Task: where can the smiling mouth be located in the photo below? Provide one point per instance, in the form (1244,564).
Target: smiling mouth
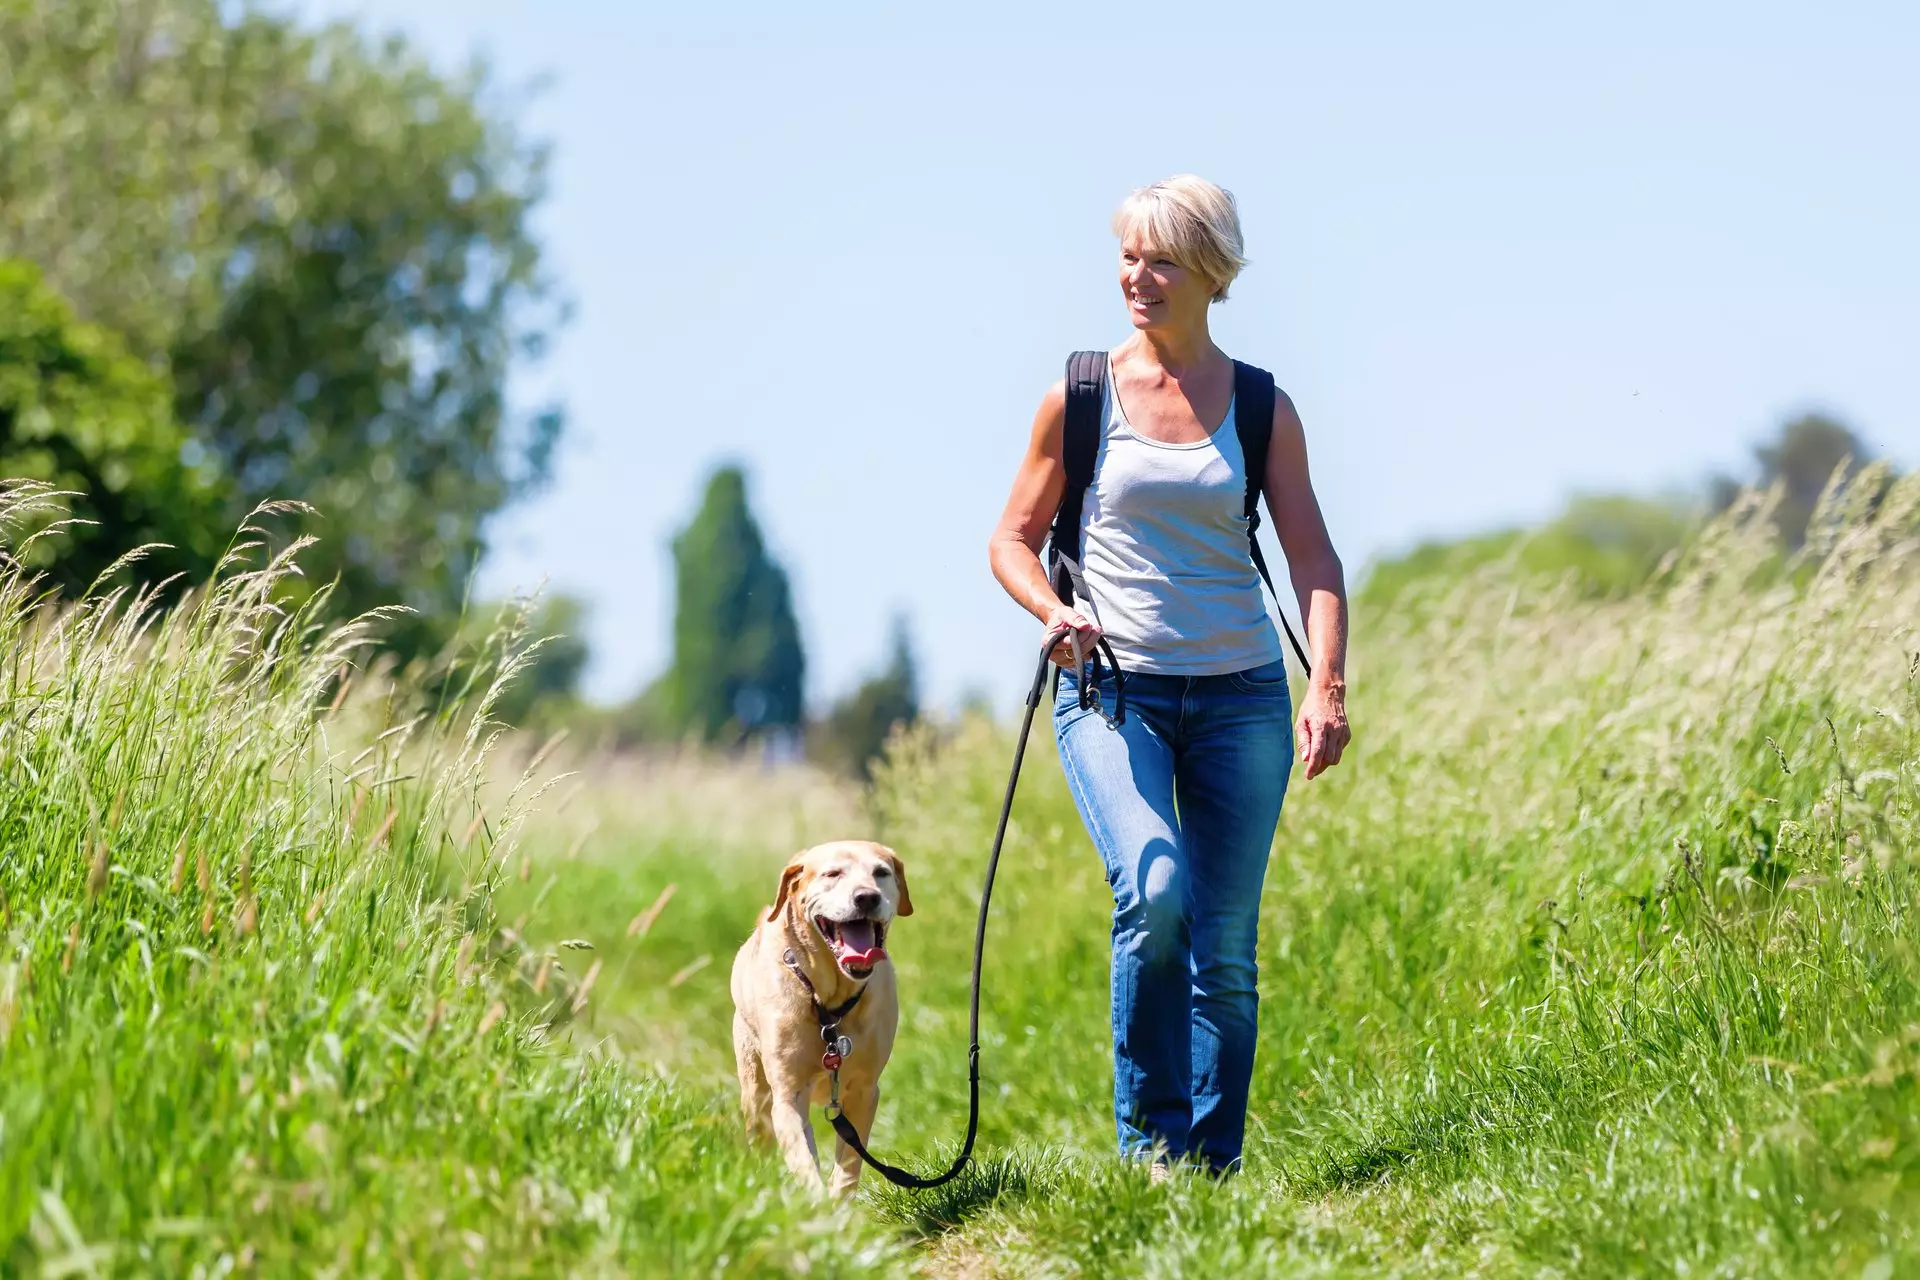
(857,945)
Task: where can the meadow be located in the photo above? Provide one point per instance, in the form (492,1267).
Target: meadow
(1598,956)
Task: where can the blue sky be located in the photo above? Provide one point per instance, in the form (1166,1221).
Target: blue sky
(1500,253)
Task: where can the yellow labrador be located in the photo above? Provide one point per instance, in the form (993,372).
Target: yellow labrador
(818,959)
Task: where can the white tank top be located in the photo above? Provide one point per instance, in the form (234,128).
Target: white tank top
(1163,549)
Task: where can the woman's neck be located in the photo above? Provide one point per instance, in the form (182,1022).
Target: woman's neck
(1178,351)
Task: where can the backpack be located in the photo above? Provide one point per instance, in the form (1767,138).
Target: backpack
(1253,398)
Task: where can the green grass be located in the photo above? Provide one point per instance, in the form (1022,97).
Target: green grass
(1599,956)
(248,1016)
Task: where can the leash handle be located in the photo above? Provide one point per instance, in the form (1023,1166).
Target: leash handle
(1101,649)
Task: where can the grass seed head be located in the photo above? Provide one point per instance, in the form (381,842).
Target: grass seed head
(586,986)
(179,876)
(386,825)
(203,872)
(495,1011)
(206,920)
(641,923)
(463,960)
(73,945)
(97,873)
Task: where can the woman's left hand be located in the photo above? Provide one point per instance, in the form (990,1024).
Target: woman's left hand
(1322,734)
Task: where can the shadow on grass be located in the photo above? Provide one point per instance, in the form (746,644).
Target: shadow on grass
(984,1183)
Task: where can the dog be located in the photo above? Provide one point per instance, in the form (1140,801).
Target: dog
(818,960)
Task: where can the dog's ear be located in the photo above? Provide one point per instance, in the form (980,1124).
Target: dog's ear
(789,877)
(905,906)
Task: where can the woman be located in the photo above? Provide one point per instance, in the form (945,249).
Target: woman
(1183,799)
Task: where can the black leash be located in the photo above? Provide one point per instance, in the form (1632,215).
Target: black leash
(838,1046)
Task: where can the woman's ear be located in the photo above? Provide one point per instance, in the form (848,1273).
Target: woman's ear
(789,878)
(904,907)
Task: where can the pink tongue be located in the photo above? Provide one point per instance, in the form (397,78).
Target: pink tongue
(857,945)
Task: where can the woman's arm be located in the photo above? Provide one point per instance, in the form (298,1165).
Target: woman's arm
(1014,550)
(1320,585)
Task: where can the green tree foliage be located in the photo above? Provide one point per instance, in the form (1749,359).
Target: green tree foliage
(1801,459)
(324,239)
(738,666)
(853,735)
(80,414)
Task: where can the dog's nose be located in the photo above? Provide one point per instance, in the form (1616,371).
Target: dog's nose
(867,900)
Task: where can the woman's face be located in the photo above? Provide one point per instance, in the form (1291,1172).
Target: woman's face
(1160,293)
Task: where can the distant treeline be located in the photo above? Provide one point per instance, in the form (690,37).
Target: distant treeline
(1612,543)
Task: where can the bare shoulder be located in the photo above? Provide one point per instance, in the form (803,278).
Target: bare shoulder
(1286,416)
(1054,403)
(1050,420)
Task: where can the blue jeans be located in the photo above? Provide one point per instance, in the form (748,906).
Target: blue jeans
(1182,801)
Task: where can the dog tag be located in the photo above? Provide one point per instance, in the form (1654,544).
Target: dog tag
(831,1060)
(842,1047)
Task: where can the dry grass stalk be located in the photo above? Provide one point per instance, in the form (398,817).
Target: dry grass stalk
(644,921)
(97,873)
(178,877)
(586,987)
(386,825)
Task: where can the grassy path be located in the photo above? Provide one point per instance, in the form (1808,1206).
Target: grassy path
(1600,957)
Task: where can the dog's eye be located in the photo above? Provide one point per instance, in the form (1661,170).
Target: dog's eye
(831,873)
(881,873)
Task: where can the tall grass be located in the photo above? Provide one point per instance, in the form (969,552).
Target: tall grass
(256,1013)
(1598,956)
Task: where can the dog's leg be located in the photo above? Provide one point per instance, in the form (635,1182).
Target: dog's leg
(756,1099)
(793,1133)
(860,1104)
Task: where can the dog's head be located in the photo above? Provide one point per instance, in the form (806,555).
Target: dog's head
(848,892)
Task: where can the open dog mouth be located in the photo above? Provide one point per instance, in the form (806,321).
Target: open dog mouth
(857,945)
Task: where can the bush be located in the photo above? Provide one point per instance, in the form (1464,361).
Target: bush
(80,414)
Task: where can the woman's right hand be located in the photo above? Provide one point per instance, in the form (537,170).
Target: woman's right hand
(1069,622)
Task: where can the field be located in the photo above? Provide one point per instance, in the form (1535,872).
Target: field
(1599,956)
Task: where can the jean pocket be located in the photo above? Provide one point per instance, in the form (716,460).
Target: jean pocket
(1269,678)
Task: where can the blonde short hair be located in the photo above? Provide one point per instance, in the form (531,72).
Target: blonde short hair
(1192,221)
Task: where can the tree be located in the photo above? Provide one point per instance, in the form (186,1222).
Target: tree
(325,241)
(853,735)
(738,666)
(77,412)
(1803,458)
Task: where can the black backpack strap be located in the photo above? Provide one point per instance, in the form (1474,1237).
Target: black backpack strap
(1253,399)
(1080,447)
